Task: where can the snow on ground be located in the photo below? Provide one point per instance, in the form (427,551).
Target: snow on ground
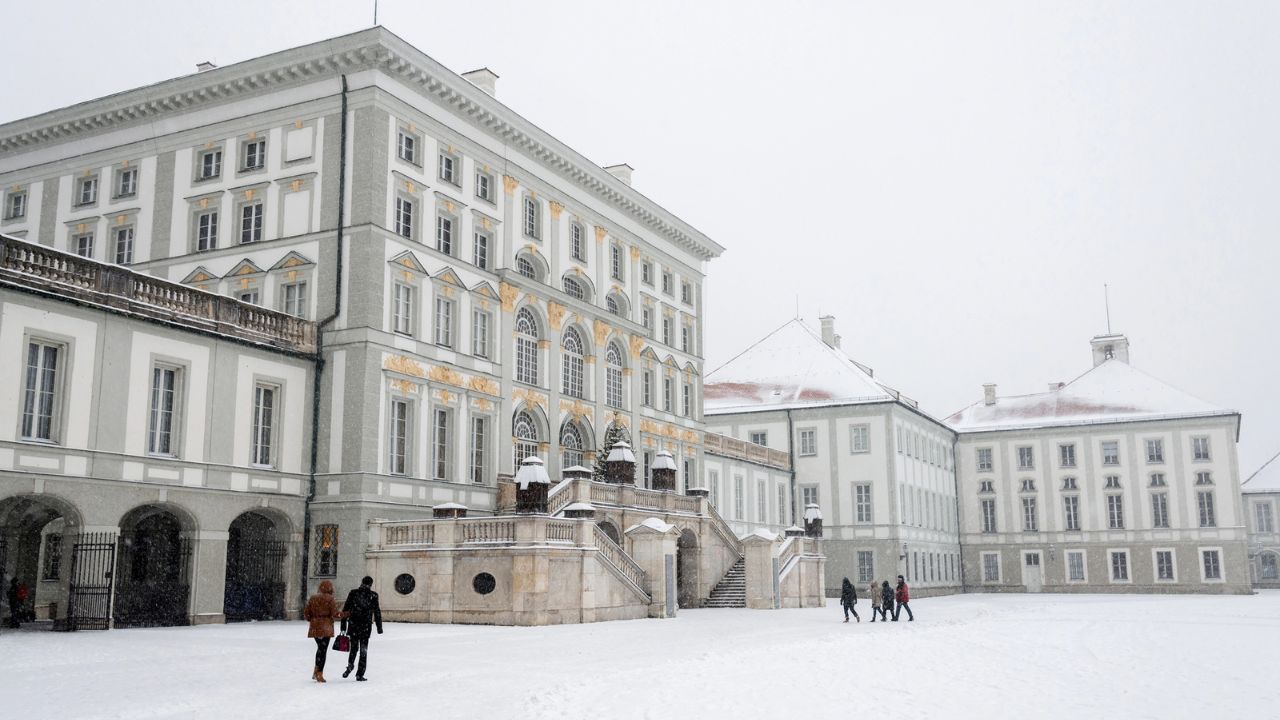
(967,656)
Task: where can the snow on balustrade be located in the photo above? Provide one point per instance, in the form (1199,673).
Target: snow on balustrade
(483,530)
(409,533)
(615,556)
(561,530)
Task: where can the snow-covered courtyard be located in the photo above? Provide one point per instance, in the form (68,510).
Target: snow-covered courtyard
(968,656)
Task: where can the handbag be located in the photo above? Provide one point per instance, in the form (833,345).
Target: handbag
(342,643)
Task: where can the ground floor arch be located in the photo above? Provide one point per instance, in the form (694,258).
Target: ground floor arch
(611,530)
(153,571)
(37,534)
(688,556)
(256,574)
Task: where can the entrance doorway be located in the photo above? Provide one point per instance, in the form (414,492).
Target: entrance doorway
(154,569)
(1032,577)
(37,533)
(257,547)
(687,569)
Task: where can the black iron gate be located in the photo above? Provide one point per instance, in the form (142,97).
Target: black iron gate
(256,580)
(155,582)
(93,560)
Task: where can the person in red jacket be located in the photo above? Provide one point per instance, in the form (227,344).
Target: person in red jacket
(903,596)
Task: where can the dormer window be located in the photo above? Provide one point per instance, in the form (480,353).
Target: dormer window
(1028,485)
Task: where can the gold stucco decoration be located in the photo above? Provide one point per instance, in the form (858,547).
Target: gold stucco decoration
(507,294)
(601,331)
(403,365)
(448,376)
(555,315)
(484,385)
(509,184)
(556,209)
(600,233)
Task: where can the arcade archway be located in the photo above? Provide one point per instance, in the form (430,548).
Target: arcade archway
(153,576)
(257,551)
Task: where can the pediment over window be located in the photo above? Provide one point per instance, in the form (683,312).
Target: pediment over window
(451,277)
(408,261)
(291,261)
(243,268)
(485,289)
(198,276)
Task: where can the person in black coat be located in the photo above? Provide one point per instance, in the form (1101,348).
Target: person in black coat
(849,598)
(360,613)
(886,598)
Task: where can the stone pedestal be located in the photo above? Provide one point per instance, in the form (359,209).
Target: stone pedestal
(761,571)
(653,547)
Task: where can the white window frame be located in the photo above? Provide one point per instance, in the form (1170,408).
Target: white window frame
(253,154)
(763,436)
(265,428)
(400,414)
(1221,566)
(1111,566)
(293,298)
(1084,567)
(1067,455)
(1206,512)
(206,229)
(1264,517)
(1114,502)
(1200,449)
(164,425)
(252,222)
(863,504)
(403,224)
(989,516)
(444,321)
(481,247)
(1109,459)
(1155,450)
(1027,460)
(979,453)
(441,443)
(807,441)
(484,186)
(477,455)
(407,146)
(402,310)
(209,164)
(122,244)
(999,568)
(126,182)
(739,497)
(449,167)
(44,400)
(1030,514)
(1155,565)
(481,323)
(859,438)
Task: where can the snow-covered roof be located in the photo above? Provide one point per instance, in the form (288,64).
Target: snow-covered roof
(1113,391)
(450,506)
(1265,478)
(654,524)
(579,507)
(790,367)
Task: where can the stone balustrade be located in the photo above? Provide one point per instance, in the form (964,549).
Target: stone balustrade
(726,446)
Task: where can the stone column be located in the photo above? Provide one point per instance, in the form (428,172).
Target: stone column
(761,571)
(653,547)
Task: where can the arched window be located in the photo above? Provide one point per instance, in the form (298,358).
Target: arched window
(611,304)
(526,347)
(525,267)
(570,445)
(613,376)
(572,362)
(573,289)
(525,434)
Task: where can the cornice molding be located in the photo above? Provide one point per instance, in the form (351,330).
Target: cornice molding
(373,49)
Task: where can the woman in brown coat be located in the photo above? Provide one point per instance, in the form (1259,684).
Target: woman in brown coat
(320,612)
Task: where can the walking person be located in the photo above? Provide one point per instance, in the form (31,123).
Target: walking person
(849,598)
(320,612)
(873,592)
(17,602)
(360,613)
(886,601)
(903,596)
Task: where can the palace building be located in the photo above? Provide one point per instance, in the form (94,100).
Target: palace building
(471,290)
(1261,505)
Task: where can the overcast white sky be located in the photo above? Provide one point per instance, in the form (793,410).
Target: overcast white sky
(954,181)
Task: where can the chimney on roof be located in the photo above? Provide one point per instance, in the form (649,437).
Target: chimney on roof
(837,339)
(989,394)
(1107,347)
(829,331)
(203,66)
(622,172)
(485,79)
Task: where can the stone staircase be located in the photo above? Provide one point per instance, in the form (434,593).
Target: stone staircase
(731,591)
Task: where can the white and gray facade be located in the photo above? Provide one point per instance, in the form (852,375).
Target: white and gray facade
(1262,509)
(477,284)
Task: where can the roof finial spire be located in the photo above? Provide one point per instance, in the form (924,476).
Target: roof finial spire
(375,13)
(1106,301)
(797,306)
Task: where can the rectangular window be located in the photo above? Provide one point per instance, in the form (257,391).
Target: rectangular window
(1075,566)
(484,186)
(713,483)
(251,223)
(686,400)
(808,495)
(862,502)
(1026,458)
(1164,565)
(988,516)
(126,182)
(479,431)
(686,293)
(210,164)
(1067,455)
(1200,448)
(52,567)
(480,251)
(264,423)
(164,395)
(1159,510)
(440,445)
(444,234)
(759,437)
(293,299)
(254,156)
(207,231)
(866,566)
(1113,482)
(990,567)
(248,296)
(407,147)
(646,388)
(666,282)
(1030,521)
(1110,453)
(782,505)
(402,310)
(685,334)
(984,459)
(646,318)
(577,243)
(646,273)
(666,331)
(124,246)
(88,191)
(666,394)
(398,437)
(16,207)
(1204,502)
(39,403)
(1155,450)
(531,217)
(1212,564)
(1263,521)
(1204,478)
(480,333)
(808,441)
(444,322)
(1119,566)
(404,217)
(762,502)
(739,497)
(84,245)
(326,551)
(859,438)
(615,262)
(1069,483)
(1115,512)
(447,168)
(1157,480)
